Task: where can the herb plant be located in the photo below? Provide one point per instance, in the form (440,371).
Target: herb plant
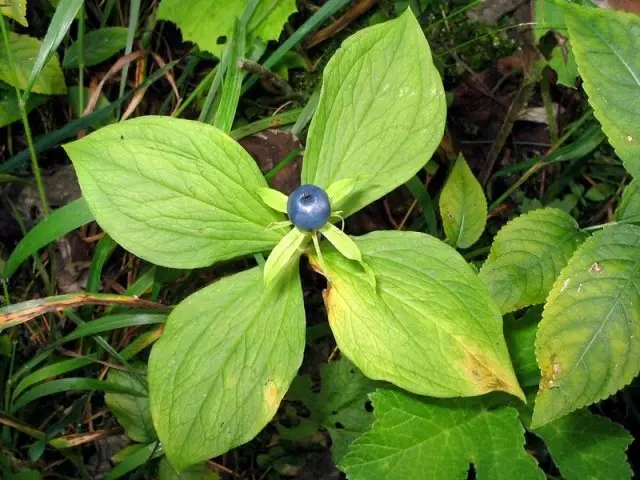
(458,362)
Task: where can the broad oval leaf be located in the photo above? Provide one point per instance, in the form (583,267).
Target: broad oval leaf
(463,206)
(430,325)
(629,208)
(177,193)
(606,44)
(588,343)
(15,9)
(99,45)
(527,255)
(209,23)
(419,438)
(381,113)
(224,362)
(132,412)
(196,472)
(25,50)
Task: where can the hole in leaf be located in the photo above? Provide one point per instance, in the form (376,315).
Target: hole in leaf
(221,40)
(368,406)
(339,425)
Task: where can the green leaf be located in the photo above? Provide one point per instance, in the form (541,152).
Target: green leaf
(24,50)
(286,253)
(527,255)
(629,208)
(136,458)
(177,193)
(15,9)
(339,190)
(224,362)
(463,206)
(340,403)
(209,24)
(606,49)
(66,12)
(273,198)
(563,63)
(99,45)
(549,15)
(131,411)
(342,242)
(9,109)
(416,437)
(381,113)
(588,343)
(73,100)
(53,370)
(584,445)
(59,223)
(196,472)
(520,335)
(429,327)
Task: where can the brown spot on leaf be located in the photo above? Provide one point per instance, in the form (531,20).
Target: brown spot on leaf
(488,375)
(596,268)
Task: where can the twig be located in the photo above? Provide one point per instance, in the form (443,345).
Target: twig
(354,13)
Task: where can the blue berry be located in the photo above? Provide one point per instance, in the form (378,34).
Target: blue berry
(308,207)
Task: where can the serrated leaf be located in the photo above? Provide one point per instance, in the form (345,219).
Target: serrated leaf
(225,360)
(9,108)
(463,206)
(99,45)
(429,305)
(588,341)
(629,208)
(606,47)
(340,405)
(286,253)
(15,9)
(177,193)
(416,437)
(527,255)
(584,445)
(563,63)
(520,335)
(549,15)
(381,112)
(131,412)
(209,23)
(196,472)
(24,50)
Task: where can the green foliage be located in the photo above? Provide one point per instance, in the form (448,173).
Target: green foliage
(24,51)
(341,404)
(224,362)
(584,445)
(381,112)
(209,24)
(429,305)
(9,109)
(605,46)
(629,208)
(15,9)
(415,437)
(588,340)
(463,206)
(527,255)
(99,45)
(520,335)
(190,195)
(196,472)
(131,411)
(564,63)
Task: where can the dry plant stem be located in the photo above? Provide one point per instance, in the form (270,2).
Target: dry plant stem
(519,102)
(25,121)
(358,10)
(266,74)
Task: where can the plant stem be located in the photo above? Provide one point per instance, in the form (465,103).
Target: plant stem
(81,61)
(25,122)
(545,91)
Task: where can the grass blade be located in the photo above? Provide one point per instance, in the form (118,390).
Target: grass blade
(63,17)
(59,223)
(73,384)
(50,371)
(134,12)
(232,82)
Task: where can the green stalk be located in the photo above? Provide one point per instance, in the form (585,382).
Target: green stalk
(25,121)
(134,12)
(81,61)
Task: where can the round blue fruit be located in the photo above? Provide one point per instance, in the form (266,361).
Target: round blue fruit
(308,207)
